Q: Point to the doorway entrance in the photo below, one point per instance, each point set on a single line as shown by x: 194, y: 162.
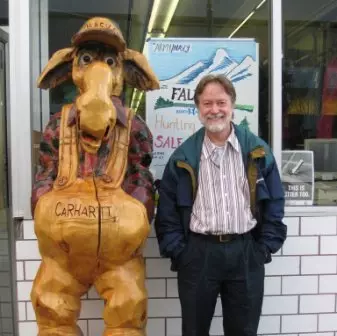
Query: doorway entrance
x: 7, y: 263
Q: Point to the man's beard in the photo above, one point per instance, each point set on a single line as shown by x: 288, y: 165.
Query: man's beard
x: 215, y: 128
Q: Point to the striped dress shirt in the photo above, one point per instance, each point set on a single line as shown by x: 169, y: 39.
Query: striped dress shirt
x: 222, y: 203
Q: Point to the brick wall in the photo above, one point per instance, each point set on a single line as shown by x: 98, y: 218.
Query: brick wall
x: 300, y: 286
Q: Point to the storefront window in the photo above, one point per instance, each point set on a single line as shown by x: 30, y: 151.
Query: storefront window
x: 310, y: 102
x: 53, y: 23
x: 223, y: 19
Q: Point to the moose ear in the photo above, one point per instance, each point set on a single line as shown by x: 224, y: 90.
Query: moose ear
x: 137, y: 71
x: 57, y: 70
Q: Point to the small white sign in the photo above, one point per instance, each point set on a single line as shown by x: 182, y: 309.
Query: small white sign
x: 298, y: 177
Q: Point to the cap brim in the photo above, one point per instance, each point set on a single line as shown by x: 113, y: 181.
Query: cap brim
x: 97, y: 35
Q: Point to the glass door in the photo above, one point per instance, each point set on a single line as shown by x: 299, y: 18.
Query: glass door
x: 7, y: 263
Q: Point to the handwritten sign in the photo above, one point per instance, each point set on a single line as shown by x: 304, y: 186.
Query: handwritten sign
x: 172, y: 47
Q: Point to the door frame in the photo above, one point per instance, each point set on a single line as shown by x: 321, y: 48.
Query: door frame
x: 4, y: 38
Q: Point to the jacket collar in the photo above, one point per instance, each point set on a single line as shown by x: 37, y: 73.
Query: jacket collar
x: 251, y: 146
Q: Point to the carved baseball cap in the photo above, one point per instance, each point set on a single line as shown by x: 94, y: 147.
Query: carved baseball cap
x: 100, y: 29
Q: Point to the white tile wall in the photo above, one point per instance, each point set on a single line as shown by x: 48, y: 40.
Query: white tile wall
x: 156, y: 288
x: 299, y: 323
x: 317, y: 334
x: 329, y: 245
x: 20, y: 275
x: 328, y: 284
x: 278, y: 305
x: 301, y: 246
x: 272, y: 285
x: 317, y: 303
x: 22, y: 311
x: 300, y: 286
x: 316, y: 226
x: 283, y: 266
x: 327, y: 322
x: 319, y: 265
x: 293, y: 225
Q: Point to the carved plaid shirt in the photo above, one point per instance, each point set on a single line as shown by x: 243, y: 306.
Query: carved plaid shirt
x: 138, y: 180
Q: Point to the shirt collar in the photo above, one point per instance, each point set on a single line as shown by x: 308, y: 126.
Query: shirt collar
x: 209, y: 147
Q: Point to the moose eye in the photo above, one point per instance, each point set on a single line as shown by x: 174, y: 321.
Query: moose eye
x: 86, y: 59
x: 110, y: 61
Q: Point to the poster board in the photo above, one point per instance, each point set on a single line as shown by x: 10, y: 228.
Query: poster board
x: 180, y: 63
x: 298, y: 177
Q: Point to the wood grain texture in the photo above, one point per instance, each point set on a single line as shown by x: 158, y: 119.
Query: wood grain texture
x: 90, y: 232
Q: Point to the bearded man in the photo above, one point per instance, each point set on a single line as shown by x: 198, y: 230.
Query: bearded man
x: 219, y: 219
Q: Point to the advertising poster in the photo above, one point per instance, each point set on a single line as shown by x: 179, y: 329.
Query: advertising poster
x: 179, y: 64
x: 298, y: 177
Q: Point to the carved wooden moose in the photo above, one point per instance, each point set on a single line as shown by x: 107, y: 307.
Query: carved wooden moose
x: 91, y: 209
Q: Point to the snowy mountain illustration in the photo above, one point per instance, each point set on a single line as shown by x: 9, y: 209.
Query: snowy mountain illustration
x: 219, y: 63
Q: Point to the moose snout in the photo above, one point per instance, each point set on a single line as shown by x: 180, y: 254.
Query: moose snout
x: 96, y: 116
x: 96, y: 111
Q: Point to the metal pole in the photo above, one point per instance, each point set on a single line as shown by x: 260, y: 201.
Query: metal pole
x: 276, y: 56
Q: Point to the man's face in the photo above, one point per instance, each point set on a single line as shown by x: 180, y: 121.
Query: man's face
x: 215, y: 108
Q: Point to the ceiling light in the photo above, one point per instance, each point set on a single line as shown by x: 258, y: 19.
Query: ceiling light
x: 155, y: 29
x: 247, y: 18
x: 169, y: 15
x: 241, y: 24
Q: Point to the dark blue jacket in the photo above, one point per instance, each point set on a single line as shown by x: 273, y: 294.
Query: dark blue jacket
x: 179, y: 185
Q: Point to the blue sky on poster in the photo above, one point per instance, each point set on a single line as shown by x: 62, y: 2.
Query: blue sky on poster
x: 197, y: 50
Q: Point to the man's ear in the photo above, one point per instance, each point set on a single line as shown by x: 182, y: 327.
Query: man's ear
x: 57, y: 70
x: 137, y: 71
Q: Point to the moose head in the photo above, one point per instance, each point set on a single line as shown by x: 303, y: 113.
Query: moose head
x: 99, y: 64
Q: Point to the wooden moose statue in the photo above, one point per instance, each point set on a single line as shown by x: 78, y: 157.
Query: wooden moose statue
x: 93, y: 195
